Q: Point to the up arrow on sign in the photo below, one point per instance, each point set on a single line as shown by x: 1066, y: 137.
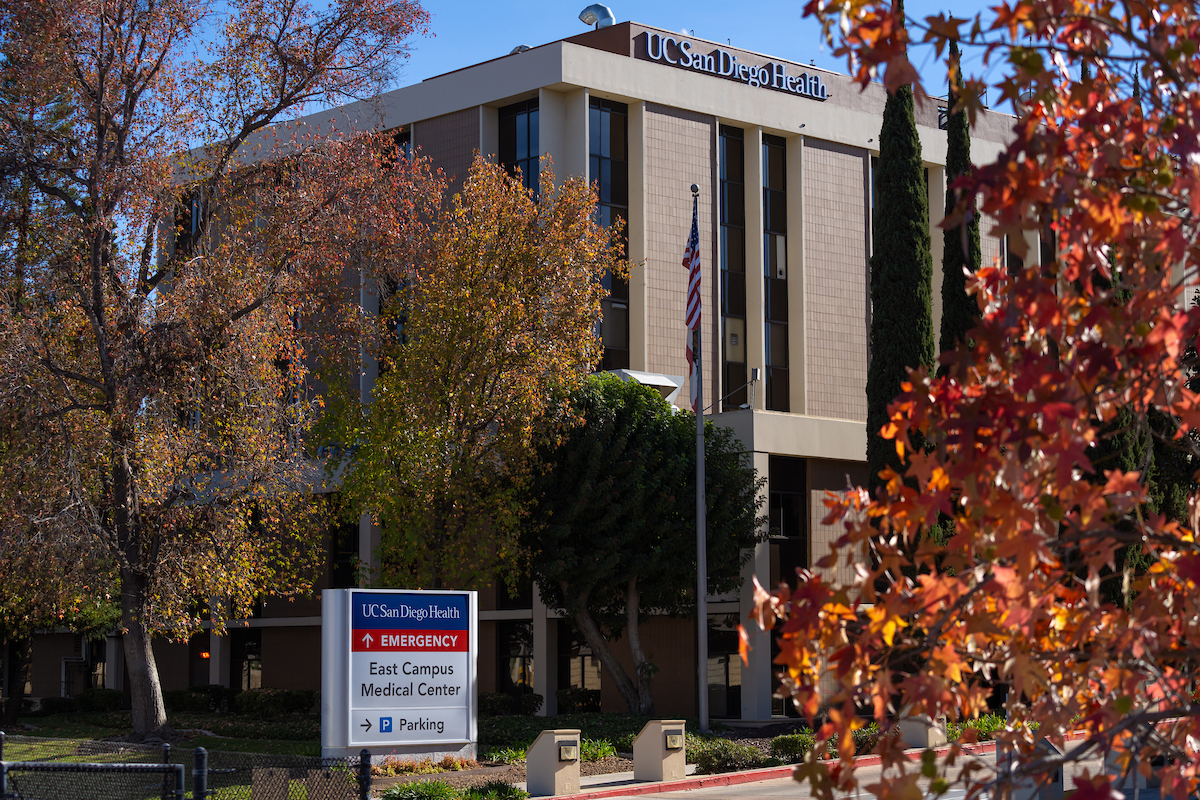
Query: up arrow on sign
x: 367, y: 639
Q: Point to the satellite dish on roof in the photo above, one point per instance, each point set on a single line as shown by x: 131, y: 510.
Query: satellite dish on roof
x: 521, y: 48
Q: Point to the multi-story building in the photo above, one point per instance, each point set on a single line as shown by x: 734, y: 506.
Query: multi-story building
x: 783, y: 155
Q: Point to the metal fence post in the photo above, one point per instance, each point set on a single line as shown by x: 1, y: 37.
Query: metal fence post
x: 364, y: 774
x: 3, y: 781
x: 180, y: 789
x: 200, y: 774
x: 1, y: 745
x: 166, y: 752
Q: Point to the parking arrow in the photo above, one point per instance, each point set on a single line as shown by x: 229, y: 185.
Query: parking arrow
x: 367, y: 639
x: 366, y: 725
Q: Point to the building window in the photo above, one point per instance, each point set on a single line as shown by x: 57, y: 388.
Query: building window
x: 724, y: 667
x: 608, y: 146
x: 404, y: 144
x: 519, y: 142
x: 733, y: 266
x: 787, y: 485
x: 578, y: 671
x: 344, y: 556
x: 189, y: 223
x: 245, y: 650
x: 514, y: 646
x: 774, y: 181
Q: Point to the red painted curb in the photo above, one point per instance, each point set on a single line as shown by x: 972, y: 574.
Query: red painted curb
x: 769, y: 773
x: 700, y: 782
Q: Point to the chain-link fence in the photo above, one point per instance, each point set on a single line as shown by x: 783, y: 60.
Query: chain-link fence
x: 48, y: 780
x: 218, y: 775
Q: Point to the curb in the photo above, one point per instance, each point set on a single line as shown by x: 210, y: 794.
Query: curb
x: 769, y: 773
x: 701, y: 782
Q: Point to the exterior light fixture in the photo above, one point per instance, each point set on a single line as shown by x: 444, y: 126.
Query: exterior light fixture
x: 568, y: 752
x: 674, y: 741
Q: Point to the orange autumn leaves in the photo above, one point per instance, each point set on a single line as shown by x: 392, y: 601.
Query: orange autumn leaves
x: 489, y: 325
x: 1019, y: 593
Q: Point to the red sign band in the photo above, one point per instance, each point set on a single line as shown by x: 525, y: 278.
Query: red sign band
x: 376, y: 641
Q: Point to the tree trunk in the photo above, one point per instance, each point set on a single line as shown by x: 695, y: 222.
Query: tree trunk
x: 643, y: 668
x: 145, y: 691
x: 18, y: 657
x: 628, y: 690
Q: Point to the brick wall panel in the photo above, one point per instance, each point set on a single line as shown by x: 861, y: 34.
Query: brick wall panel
x: 835, y: 280
x: 679, y: 149
x: 450, y: 141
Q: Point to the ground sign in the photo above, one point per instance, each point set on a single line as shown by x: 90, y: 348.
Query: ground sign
x: 398, y: 671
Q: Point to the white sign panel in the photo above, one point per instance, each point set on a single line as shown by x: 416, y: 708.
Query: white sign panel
x: 411, y: 667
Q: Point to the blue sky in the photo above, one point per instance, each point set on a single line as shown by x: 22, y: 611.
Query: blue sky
x: 466, y: 32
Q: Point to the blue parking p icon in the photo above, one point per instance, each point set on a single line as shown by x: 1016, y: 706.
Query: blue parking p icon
x: 385, y: 724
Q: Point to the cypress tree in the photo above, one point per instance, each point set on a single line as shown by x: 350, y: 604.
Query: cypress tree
x: 901, y: 273
x: 961, y: 249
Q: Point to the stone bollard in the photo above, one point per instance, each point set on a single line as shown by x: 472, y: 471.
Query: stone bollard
x: 552, y: 763
x: 1135, y: 781
x: 1026, y: 788
x: 658, y: 751
x: 918, y: 730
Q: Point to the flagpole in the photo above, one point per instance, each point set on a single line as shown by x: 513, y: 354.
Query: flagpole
x: 701, y: 522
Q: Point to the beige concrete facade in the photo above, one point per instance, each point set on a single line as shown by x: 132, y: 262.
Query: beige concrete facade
x: 675, y: 117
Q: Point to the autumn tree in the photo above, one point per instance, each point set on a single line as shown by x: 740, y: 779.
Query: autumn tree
x: 486, y: 328
x: 1010, y: 427
x: 615, y: 511
x: 901, y: 336
x: 149, y: 345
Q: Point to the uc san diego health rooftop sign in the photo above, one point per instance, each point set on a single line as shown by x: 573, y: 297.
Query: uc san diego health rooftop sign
x: 681, y: 52
x: 398, y: 671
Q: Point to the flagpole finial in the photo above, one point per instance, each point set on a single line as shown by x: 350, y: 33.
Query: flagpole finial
x: 695, y: 189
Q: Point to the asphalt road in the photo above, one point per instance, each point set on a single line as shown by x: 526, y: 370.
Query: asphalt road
x: 788, y: 789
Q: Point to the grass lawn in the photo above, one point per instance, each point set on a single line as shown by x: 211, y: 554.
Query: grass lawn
x: 286, y: 734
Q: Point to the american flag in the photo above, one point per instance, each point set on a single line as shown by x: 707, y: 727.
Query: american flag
x: 691, y: 260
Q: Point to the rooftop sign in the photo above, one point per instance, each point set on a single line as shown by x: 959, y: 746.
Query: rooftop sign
x: 683, y: 53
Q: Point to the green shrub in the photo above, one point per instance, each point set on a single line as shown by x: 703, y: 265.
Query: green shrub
x: 58, y: 705
x: 220, y: 698
x: 26, y: 707
x: 505, y: 755
x: 985, y: 727
x: 595, y: 749
x: 495, y: 704
x: 502, y: 704
x: 864, y: 739
x: 273, y: 702
x: 793, y: 747
x: 100, y: 700
x: 576, y: 700
x: 531, y: 704
x: 722, y: 755
x: 421, y: 790
x: 495, y: 790
x: 624, y: 742
x: 693, y: 743
x: 520, y: 731
x: 185, y: 701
